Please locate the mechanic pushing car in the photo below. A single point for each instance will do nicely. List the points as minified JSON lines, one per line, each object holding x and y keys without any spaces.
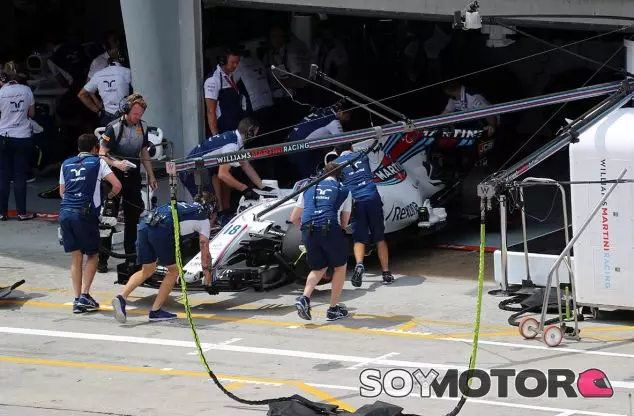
{"x":316,"y":213}
{"x":320,"y":123}
{"x":127,"y":138}
{"x":156,"y":244}
{"x":368,"y":213}
{"x":221,"y":178}
{"x":80,"y":189}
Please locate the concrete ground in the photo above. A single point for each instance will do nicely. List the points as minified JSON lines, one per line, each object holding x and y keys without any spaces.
{"x":56,"y":363}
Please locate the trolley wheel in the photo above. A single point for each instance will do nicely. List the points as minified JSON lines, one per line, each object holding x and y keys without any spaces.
{"x":528,"y":328}
{"x":553,"y":336}
{"x":597,"y":314}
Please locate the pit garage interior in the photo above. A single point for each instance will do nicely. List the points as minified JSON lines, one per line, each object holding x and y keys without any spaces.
{"x":389,"y":53}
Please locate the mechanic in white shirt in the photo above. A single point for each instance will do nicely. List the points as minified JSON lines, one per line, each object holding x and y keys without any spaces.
{"x":111,"y":45}
{"x":461,"y":100}
{"x":114,"y":84}
{"x":17,"y":108}
{"x":225,"y":101}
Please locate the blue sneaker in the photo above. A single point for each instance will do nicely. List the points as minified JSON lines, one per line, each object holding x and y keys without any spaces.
{"x":302,"y":304}
{"x":78,"y":307}
{"x":388,"y":279}
{"x":118,"y":306}
{"x":337,"y":312}
{"x":161,"y":315}
{"x":88,"y":302}
{"x":357,"y":276}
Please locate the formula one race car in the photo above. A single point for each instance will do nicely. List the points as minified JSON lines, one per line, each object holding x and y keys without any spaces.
{"x":260,"y":249}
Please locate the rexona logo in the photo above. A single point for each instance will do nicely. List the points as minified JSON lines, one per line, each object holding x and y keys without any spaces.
{"x":402,"y":213}
{"x":529,"y":383}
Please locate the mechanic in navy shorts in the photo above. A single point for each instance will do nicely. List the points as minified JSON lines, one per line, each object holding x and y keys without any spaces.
{"x":155,"y":243}
{"x":317,"y":214}
{"x":368,"y":213}
{"x":80,"y":188}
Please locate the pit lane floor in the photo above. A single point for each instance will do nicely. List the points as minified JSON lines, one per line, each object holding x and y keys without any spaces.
{"x":56,"y":363}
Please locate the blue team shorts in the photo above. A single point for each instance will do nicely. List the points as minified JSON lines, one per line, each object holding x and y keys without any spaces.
{"x":155,"y":243}
{"x":368,"y":221}
{"x":189,"y":181}
{"x":330,"y":250}
{"x":79,"y":233}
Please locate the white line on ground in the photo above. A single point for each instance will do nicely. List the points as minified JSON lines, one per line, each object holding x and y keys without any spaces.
{"x":370,"y":361}
{"x":252,"y":350}
{"x":559,"y":411}
{"x":231,"y":341}
{"x":542,"y":347}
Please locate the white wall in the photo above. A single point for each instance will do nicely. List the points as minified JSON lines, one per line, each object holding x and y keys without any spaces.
{"x":165,"y":49}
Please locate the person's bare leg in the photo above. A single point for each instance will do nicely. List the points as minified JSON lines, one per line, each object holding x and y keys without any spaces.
{"x":137,"y":279}
{"x":338,"y":279}
{"x":166,"y":287}
{"x":89,"y":272}
{"x":359,"y":252}
{"x":75,"y":271}
{"x":311,"y":282}
{"x":383,"y":255}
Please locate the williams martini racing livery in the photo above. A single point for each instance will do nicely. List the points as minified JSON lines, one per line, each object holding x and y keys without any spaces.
{"x":260,"y":249}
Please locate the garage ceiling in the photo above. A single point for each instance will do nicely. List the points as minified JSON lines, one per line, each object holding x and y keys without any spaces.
{"x":567,"y":12}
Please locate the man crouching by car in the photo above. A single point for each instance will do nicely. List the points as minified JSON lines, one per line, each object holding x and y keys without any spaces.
{"x":156,"y":241}
{"x":316,"y":213}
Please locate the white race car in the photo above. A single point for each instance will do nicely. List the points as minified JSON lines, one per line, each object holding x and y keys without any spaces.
{"x":260,"y":249}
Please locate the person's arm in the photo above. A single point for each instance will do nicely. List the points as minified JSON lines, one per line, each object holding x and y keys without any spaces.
{"x":450,"y":107}
{"x":31,"y":104}
{"x":146,"y":160}
{"x":62,"y":183}
{"x":251,"y":173}
{"x":88,"y":97}
{"x":212,"y":91}
{"x":204,"y":234}
{"x":224,"y":174}
{"x":346,"y":210}
{"x":105,"y":173}
{"x":104,"y":149}
{"x":298,"y":209}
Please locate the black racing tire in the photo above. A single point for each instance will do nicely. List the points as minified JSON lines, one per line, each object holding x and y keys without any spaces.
{"x":293,"y":255}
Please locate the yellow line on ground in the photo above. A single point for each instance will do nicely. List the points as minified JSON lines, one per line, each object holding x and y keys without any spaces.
{"x":284,"y":324}
{"x":406,"y":326}
{"x":235,"y":385}
{"x":148,"y":370}
{"x":325,"y":327}
{"x":52,"y":290}
{"x":238,"y":307}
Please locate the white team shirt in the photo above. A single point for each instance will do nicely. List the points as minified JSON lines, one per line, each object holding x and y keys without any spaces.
{"x":15,"y":100}
{"x":104,"y":170}
{"x":195,"y":226}
{"x":253,"y":74}
{"x":466,"y":102}
{"x":97,"y":64}
{"x":212,"y":86}
{"x":334,"y":127}
{"x":289,"y":58}
{"x":345,"y":207}
{"x":113,"y":84}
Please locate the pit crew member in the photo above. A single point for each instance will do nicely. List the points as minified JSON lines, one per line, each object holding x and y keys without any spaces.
{"x":17,"y":108}
{"x":225,"y":101}
{"x":80,"y":189}
{"x":156,"y":244}
{"x":113,"y":84}
{"x":368,"y":213}
{"x":460,"y":99}
{"x":127,"y":138}
{"x":316,"y":213}
{"x":221,"y":178}
{"x":320,"y":123}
